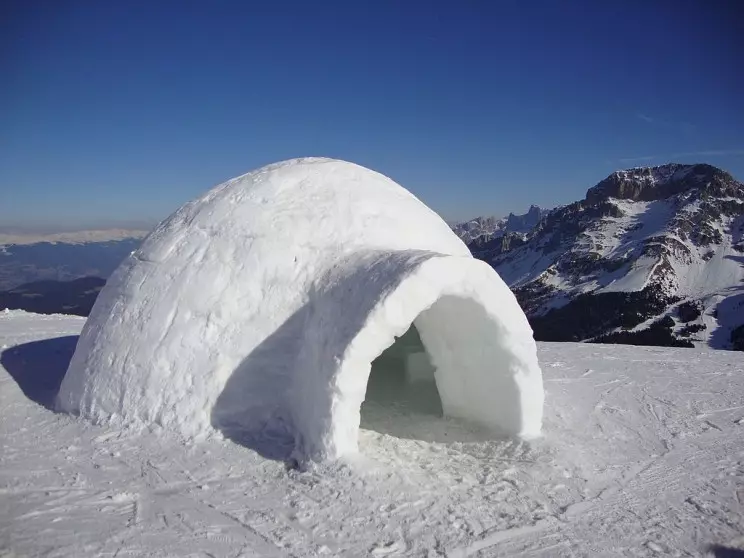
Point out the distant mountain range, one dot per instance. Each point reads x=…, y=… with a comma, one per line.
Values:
x=63, y=257
x=482, y=230
x=74, y=297
x=60, y=273
x=651, y=255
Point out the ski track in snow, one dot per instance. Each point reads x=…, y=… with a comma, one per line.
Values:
x=642, y=455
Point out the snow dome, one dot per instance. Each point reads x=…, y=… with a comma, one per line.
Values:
x=261, y=305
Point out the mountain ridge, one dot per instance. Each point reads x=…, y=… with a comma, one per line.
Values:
x=619, y=262
x=482, y=231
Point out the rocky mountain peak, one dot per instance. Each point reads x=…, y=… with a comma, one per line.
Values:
x=523, y=223
x=660, y=182
x=486, y=229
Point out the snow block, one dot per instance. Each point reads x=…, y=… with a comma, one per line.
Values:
x=418, y=368
x=262, y=304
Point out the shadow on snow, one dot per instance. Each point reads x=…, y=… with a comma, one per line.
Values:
x=726, y=552
x=39, y=367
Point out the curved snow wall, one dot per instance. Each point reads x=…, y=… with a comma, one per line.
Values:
x=261, y=306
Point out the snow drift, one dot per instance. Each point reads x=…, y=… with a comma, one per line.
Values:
x=262, y=304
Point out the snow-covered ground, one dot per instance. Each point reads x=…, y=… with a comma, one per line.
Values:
x=642, y=455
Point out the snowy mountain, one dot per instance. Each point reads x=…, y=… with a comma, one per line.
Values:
x=641, y=456
x=651, y=255
x=482, y=230
x=63, y=257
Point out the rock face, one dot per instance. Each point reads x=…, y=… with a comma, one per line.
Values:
x=658, y=183
x=645, y=244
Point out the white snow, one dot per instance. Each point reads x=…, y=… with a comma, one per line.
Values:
x=642, y=455
x=259, y=307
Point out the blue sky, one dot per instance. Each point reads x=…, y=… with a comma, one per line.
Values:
x=112, y=112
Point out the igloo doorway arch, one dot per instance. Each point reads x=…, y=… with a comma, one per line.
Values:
x=483, y=353
x=261, y=305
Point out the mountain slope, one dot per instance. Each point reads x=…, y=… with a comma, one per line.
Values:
x=650, y=255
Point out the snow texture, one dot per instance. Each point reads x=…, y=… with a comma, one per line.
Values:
x=260, y=306
x=643, y=456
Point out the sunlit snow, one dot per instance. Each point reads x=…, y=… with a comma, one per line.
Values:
x=642, y=455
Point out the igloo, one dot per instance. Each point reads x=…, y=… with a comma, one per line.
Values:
x=261, y=305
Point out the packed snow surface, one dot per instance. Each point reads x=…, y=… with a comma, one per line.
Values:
x=258, y=308
x=642, y=455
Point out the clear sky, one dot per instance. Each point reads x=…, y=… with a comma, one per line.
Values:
x=121, y=111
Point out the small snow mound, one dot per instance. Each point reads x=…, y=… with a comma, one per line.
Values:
x=260, y=306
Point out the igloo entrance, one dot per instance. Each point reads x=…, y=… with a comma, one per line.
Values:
x=401, y=380
x=476, y=393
